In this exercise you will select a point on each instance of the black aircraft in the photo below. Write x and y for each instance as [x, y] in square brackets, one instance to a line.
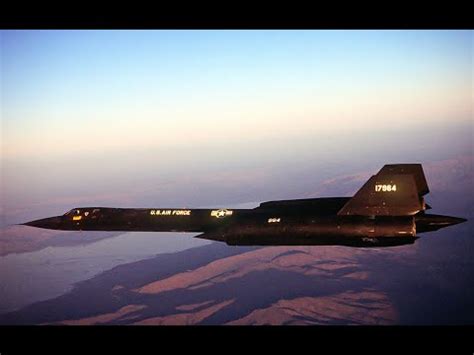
[388, 210]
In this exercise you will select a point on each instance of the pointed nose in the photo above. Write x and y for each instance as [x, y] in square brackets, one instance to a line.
[47, 223]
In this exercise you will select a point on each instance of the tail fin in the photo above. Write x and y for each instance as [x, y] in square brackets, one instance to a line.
[396, 190]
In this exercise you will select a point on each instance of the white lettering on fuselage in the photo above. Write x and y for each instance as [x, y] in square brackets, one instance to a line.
[170, 212]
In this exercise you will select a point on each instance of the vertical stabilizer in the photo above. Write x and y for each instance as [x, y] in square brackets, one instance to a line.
[396, 190]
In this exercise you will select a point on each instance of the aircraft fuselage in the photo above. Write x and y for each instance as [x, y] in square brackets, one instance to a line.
[313, 222]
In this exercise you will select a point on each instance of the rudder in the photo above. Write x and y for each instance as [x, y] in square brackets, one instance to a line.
[416, 170]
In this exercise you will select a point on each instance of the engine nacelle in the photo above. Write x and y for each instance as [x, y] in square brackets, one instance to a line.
[329, 231]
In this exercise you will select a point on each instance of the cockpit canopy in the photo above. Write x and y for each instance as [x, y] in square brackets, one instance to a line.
[74, 211]
[82, 211]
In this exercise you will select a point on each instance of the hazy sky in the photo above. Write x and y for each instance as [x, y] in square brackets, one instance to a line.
[104, 112]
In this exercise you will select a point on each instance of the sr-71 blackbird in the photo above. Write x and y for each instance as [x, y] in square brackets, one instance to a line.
[388, 210]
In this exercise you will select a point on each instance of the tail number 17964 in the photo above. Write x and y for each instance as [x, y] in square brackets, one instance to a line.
[385, 188]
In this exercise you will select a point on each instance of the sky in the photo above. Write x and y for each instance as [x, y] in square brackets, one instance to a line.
[127, 117]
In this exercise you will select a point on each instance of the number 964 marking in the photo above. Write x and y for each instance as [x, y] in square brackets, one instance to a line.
[385, 188]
